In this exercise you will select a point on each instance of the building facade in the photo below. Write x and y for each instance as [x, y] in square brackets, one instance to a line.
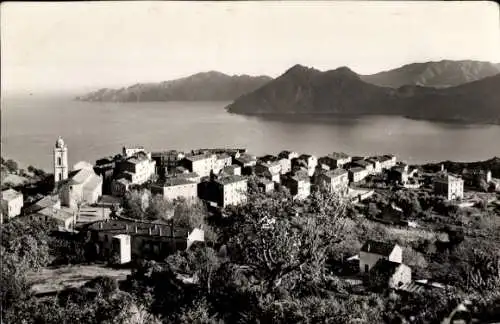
[299, 186]
[138, 169]
[336, 180]
[202, 164]
[357, 174]
[173, 188]
[373, 251]
[12, 204]
[451, 187]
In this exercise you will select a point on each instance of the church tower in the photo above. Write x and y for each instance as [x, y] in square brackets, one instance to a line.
[60, 161]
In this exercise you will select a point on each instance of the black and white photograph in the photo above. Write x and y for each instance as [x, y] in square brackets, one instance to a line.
[204, 162]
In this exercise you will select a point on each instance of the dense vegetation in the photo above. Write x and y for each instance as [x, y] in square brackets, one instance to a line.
[274, 260]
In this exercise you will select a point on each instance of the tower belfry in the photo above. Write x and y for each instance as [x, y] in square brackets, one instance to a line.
[60, 161]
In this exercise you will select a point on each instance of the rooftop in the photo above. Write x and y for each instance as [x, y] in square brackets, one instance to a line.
[447, 178]
[199, 157]
[335, 172]
[188, 175]
[357, 169]
[55, 213]
[143, 228]
[174, 181]
[338, 155]
[377, 247]
[10, 194]
[230, 179]
[362, 163]
[246, 158]
[138, 158]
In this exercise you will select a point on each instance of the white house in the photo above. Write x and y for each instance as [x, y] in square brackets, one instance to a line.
[12, 203]
[373, 251]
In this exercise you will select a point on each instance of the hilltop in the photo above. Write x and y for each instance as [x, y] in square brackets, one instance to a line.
[205, 86]
[442, 74]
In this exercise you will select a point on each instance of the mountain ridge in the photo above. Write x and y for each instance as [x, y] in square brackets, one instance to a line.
[440, 74]
[303, 90]
[202, 86]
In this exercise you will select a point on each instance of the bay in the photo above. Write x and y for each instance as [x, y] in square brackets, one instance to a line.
[30, 127]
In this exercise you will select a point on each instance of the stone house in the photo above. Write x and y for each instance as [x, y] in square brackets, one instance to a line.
[389, 274]
[138, 169]
[373, 251]
[265, 185]
[449, 186]
[12, 203]
[224, 191]
[365, 165]
[336, 180]
[299, 185]
[357, 174]
[173, 188]
[147, 240]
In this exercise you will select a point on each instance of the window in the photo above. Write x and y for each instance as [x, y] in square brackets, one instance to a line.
[366, 268]
[60, 176]
[59, 161]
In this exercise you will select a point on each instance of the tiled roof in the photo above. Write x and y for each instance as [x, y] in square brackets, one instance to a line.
[338, 155]
[230, 179]
[362, 163]
[377, 247]
[128, 227]
[188, 175]
[175, 181]
[10, 194]
[198, 157]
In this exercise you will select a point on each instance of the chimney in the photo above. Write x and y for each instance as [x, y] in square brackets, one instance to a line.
[135, 229]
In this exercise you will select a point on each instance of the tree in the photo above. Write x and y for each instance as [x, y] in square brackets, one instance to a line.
[160, 208]
[136, 203]
[11, 165]
[191, 215]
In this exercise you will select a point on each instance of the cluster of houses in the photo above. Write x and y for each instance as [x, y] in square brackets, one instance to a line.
[219, 177]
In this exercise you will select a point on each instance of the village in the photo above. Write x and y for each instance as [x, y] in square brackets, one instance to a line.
[89, 199]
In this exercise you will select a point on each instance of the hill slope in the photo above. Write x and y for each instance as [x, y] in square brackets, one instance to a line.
[440, 74]
[206, 86]
[341, 91]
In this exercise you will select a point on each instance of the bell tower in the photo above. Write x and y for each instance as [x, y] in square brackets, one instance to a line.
[60, 161]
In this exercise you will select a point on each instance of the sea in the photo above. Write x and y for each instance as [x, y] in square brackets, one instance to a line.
[31, 125]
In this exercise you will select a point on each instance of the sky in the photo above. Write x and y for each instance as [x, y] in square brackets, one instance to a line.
[80, 46]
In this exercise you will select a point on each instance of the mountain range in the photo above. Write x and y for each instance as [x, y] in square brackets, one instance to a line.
[303, 90]
[445, 73]
[465, 91]
[205, 86]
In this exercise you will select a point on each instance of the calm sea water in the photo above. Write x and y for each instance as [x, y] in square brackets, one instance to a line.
[31, 126]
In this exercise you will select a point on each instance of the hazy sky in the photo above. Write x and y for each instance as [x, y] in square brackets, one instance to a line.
[82, 46]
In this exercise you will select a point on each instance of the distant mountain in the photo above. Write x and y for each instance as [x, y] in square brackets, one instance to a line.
[206, 86]
[440, 74]
[302, 90]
